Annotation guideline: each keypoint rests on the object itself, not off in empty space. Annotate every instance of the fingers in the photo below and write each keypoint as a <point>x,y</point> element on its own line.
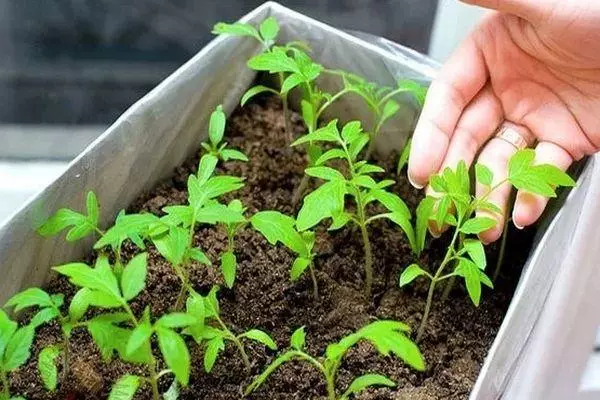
<point>529,207</point>
<point>495,156</point>
<point>532,10</point>
<point>477,124</point>
<point>461,78</point>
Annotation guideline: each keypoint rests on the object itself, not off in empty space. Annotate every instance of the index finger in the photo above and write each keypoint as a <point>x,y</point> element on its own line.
<point>459,80</point>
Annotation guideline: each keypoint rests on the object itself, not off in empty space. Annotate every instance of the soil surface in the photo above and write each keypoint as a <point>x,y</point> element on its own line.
<point>457,338</point>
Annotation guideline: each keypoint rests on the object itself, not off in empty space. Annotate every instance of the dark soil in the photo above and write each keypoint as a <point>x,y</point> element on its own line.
<point>457,338</point>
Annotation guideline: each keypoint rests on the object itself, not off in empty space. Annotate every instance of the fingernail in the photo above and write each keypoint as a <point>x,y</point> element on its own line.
<point>518,226</point>
<point>414,184</point>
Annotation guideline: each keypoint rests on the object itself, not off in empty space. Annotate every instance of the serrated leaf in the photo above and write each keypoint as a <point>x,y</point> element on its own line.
<point>214,213</point>
<point>127,226</point>
<point>363,382</point>
<point>483,174</point>
<point>79,304</point>
<point>43,316</point>
<point>216,126</point>
<point>18,348</point>
<point>269,29</point>
<point>29,298</point>
<point>236,29</point>
<point>125,388</point>
<point>476,251</point>
<point>438,184</point>
<point>211,352</point>
<point>477,225</point>
<point>100,278</point>
<point>328,133</point>
<point>351,131</point>
<point>325,173</point>
<point>411,273</point>
<point>277,227</point>
<point>65,218</point>
<point>229,268</point>
<point>298,339</point>
<point>175,354</point>
<point>133,280</point>
<point>261,337</point>
<point>47,366</point>
<point>273,61</point>
<point>321,203</point>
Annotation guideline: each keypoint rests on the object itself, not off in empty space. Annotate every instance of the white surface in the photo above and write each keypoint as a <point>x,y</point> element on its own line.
<point>453,22</point>
<point>21,180</point>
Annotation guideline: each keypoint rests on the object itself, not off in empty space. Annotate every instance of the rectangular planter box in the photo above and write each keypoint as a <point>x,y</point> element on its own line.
<point>548,332</point>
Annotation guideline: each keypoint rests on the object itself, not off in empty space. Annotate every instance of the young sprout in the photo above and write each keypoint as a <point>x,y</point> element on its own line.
<point>404,155</point>
<point>228,258</point>
<point>80,225</point>
<point>380,100</point>
<point>455,206</point>
<point>48,310</point>
<point>216,130</point>
<point>15,349</point>
<point>277,227</point>
<point>210,329</point>
<point>102,288</point>
<point>173,235</point>
<point>387,337</point>
<point>327,201</point>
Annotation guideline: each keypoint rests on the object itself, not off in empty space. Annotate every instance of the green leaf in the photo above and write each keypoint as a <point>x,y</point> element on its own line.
<point>172,246</point>
<point>364,181</point>
<point>216,126</point>
<point>424,211</point>
<point>7,329</point>
<point>206,168</point>
<point>64,218</point>
<point>127,226</point>
<point>214,213</point>
<point>483,174</point>
<point>222,184</point>
<point>325,173</point>
<point>476,251</point>
<point>43,316</point>
<point>321,204</point>
<point>442,210</point>
<point>274,61</point>
<point>253,91</point>
<point>231,154</point>
<point>29,298</point>
<point>328,133</point>
<point>485,279</point>
<point>330,155</point>
<point>277,227</point>
<point>554,175</point>
<point>370,169</point>
<point>363,382</point>
<point>351,131</point>
<point>176,320</point>
<point>356,146</point>
<point>298,339</point>
<point>418,91</point>
<point>340,219</point>
<point>199,256</point>
<point>133,280</point>
<point>298,268</point>
<point>100,278</point>
<point>18,348</point>
<point>403,159</point>
<point>404,223</point>
<point>93,208</point>
<point>175,354</point>
<point>489,206</point>
<point>314,152</point>
<point>47,366</point>
<point>470,272</point>
<point>139,337</point>
<point>390,108</point>
<point>438,184</point>
<point>260,337</point>
<point>291,82</point>
<point>269,29</point>
<point>211,352</point>
<point>236,29</point>
<point>228,267</point>
<point>308,115</point>
<point>477,225</point>
<point>125,388</point>
<point>392,202</point>
<point>213,302</point>
<point>79,304</point>
<point>412,272</point>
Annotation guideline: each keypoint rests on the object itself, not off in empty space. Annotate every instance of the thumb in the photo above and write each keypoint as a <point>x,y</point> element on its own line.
<point>533,11</point>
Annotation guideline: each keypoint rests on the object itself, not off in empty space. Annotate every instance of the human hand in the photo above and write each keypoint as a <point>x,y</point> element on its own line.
<point>535,63</point>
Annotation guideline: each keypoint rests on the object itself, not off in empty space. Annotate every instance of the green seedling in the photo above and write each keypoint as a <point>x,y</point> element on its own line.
<point>49,309</point>
<point>455,206</point>
<point>277,227</point>
<point>15,350</point>
<point>387,337</point>
<point>79,225</point>
<point>380,100</point>
<point>213,332</point>
<point>404,156</point>
<point>216,130</point>
<point>173,235</point>
<point>328,200</point>
<point>116,330</point>
<point>228,259</point>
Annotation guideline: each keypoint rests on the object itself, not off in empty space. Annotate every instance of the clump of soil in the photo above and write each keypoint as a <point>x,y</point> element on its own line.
<point>457,338</point>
